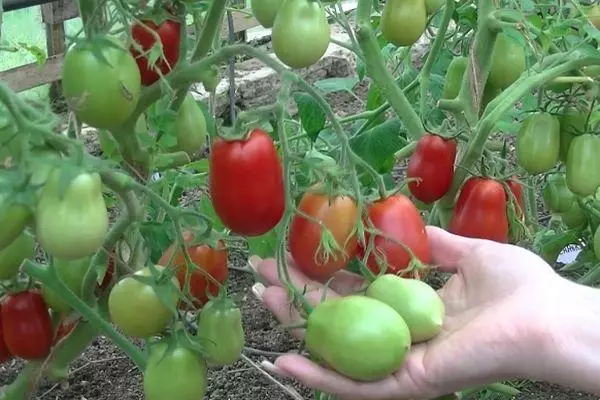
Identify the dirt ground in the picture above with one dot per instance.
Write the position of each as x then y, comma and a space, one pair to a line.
103, 372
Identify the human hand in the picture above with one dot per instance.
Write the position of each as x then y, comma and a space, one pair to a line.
495, 326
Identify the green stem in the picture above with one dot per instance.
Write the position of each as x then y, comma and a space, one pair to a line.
405, 152
86, 11
71, 348
49, 280
22, 386
531, 210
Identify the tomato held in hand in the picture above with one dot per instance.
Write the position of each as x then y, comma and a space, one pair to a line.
144, 34
508, 62
212, 260
220, 331
583, 165
102, 95
403, 21
246, 183
4, 352
538, 143
174, 372
339, 216
71, 223
401, 225
480, 211
454, 77
26, 325
433, 164
300, 34
190, 127
135, 307
12, 256
265, 11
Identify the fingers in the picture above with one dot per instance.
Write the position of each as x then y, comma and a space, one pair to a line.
448, 250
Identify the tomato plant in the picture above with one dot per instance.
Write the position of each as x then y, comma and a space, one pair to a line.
594, 16
71, 273
144, 34
480, 211
300, 34
174, 371
190, 127
432, 165
221, 332
574, 217
538, 143
102, 94
135, 306
583, 165
403, 21
338, 216
401, 228
508, 61
376, 333
13, 255
265, 11
26, 325
246, 183
212, 260
71, 223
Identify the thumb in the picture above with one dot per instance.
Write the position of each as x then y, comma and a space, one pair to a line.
447, 249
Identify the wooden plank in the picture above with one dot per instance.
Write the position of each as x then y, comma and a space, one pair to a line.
59, 11
241, 22
33, 75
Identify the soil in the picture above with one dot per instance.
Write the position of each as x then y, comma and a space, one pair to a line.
103, 372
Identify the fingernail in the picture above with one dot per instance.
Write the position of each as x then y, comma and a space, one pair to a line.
253, 262
269, 366
258, 289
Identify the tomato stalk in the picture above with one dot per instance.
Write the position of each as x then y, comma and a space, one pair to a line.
49, 279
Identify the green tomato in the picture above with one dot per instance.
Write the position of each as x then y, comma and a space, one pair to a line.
583, 165
489, 93
417, 303
360, 337
597, 243
72, 274
12, 256
574, 217
300, 34
71, 223
174, 372
594, 16
557, 196
433, 6
508, 62
454, 77
221, 332
136, 308
190, 127
403, 21
14, 216
265, 11
572, 124
102, 94
593, 71
538, 143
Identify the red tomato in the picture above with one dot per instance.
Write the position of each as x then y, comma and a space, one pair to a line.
26, 326
339, 215
169, 32
517, 190
4, 352
480, 211
246, 183
399, 219
433, 164
211, 260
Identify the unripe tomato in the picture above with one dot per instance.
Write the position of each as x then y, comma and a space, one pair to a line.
72, 274
574, 217
454, 77
417, 303
583, 165
102, 95
594, 16
190, 127
508, 62
572, 124
4, 352
26, 325
212, 260
360, 337
597, 243
433, 5
401, 225
12, 256
220, 331
300, 35
433, 164
14, 217
339, 216
538, 143
556, 195
246, 183
135, 307
71, 223
403, 21
174, 372
143, 33
490, 92
265, 11
480, 210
